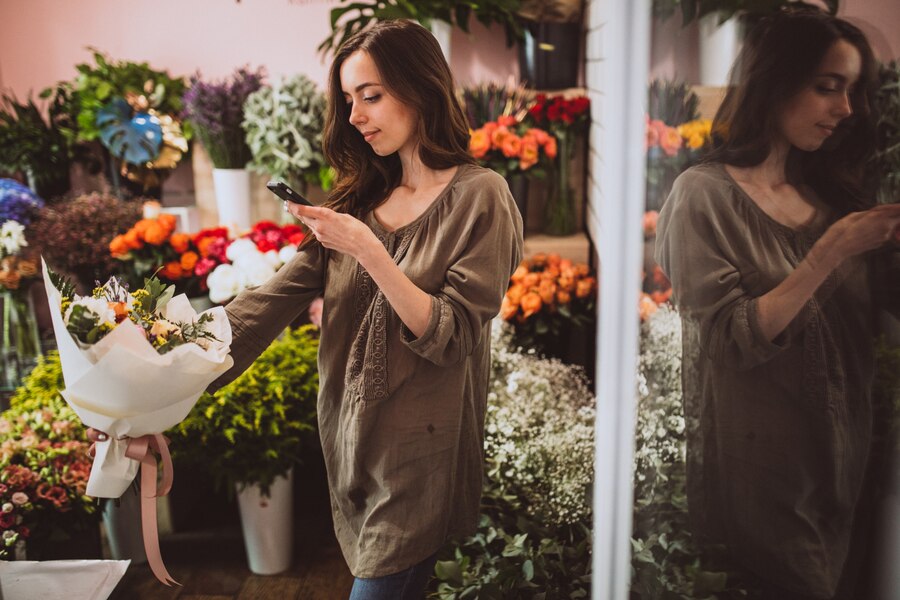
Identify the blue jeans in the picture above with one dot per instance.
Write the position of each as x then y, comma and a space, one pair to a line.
408, 584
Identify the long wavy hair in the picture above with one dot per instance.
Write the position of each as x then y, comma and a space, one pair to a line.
779, 59
413, 70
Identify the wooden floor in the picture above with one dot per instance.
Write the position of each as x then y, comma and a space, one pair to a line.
206, 553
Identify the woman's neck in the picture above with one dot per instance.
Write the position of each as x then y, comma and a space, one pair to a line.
774, 171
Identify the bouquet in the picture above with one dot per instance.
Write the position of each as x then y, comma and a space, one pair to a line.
134, 364
546, 294
253, 259
510, 147
216, 109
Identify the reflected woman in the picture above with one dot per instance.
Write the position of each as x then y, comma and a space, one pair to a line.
771, 246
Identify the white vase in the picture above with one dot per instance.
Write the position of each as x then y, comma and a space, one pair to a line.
268, 525
123, 528
719, 45
443, 31
233, 197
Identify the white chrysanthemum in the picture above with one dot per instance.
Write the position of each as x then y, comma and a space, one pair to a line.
12, 237
97, 306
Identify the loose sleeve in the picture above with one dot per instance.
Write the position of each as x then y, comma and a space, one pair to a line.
475, 283
257, 316
706, 281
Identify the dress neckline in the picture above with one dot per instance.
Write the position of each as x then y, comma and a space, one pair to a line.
438, 199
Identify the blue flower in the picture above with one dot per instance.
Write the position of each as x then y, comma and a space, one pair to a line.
17, 202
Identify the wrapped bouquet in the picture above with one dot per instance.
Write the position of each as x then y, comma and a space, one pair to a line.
134, 365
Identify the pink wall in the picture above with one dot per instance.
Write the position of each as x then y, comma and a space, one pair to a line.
674, 49
42, 40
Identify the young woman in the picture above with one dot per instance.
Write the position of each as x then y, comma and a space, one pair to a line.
772, 247
413, 254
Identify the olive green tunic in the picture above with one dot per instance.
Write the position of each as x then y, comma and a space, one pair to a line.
401, 419
779, 432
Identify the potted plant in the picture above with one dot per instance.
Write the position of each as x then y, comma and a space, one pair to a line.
44, 468
549, 50
283, 124
215, 111
133, 111
33, 144
251, 433
357, 15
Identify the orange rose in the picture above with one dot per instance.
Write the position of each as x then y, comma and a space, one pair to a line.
203, 245
584, 287
506, 121
531, 280
582, 270
498, 136
531, 304
133, 239
141, 226
118, 246
511, 146
172, 271
566, 282
479, 143
563, 297
515, 293
547, 291
529, 154
541, 136
168, 222
508, 310
188, 260
180, 242
539, 259
550, 148
155, 234
519, 274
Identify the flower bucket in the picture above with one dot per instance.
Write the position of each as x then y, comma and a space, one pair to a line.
268, 525
233, 197
122, 520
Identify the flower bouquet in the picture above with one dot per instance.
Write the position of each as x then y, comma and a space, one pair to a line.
510, 147
134, 364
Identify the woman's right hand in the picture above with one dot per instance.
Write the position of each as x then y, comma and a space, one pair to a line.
859, 232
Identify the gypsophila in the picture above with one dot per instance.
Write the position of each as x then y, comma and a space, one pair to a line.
539, 438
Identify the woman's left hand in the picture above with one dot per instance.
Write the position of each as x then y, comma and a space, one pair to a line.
336, 231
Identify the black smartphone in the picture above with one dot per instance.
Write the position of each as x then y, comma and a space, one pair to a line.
281, 189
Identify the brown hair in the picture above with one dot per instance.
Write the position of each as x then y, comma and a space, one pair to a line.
413, 70
778, 60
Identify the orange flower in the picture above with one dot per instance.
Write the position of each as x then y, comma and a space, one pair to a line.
479, 143
519, 274
529, 154
541, 136
547, 291
172, 271
563, 297
567, 282
508, 310
118, 246
584, 287
511, 146
515, 293
180, 242
650, 219
531, 304
141, 226
498, 136
133, 239
121, 310
188, 260
646, 307
670, 141
155, 234
203, 245
550, 148
506, 121
531, 280
661, 296
168, 222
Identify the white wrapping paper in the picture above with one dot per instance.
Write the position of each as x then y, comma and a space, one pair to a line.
121, 385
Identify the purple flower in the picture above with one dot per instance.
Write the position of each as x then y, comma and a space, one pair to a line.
17, 202
215, 109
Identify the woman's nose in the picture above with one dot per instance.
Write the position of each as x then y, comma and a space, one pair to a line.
844, 107
357, 115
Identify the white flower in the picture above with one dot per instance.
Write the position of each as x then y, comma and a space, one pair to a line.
152, 209
225, 282
8, 507
12, 237
20, 498
274, 259
239, 248
255, 268
9, 534
97, 306
287, 253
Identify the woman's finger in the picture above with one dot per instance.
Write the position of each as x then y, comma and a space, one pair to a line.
95, 435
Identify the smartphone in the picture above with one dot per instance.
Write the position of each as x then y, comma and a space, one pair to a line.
281, 189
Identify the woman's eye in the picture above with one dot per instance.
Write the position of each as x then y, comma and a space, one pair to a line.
371, 99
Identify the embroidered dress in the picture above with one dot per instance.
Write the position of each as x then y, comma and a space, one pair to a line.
779, 432
401, 419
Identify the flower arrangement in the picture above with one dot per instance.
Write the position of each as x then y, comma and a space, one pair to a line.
253, 259
44, 465
253, 429
216, 110
487, 102
565, 118
18, 203
89, 319
75, 235
510, 147
546, 294
132, 109
284, 125
535, 529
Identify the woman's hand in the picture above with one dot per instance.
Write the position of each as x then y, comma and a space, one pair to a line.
337, 231
857, 233
95, 435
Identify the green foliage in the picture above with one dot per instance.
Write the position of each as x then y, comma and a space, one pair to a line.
360, 14
726, 9
253, 429
95, 85
33, 144
886, 162
487, 102
40, 389
672, 102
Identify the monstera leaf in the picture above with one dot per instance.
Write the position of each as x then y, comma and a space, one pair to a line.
135, 137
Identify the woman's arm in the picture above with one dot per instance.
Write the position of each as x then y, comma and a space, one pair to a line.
853, 235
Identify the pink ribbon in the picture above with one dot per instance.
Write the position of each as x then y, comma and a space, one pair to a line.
141, 449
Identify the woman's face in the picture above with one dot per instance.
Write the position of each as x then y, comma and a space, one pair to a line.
385, 123
811, 116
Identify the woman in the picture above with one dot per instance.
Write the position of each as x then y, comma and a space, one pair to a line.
770, 246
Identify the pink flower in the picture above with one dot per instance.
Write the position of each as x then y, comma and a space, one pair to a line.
670, 141
315, 311
19, 498
650, 219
